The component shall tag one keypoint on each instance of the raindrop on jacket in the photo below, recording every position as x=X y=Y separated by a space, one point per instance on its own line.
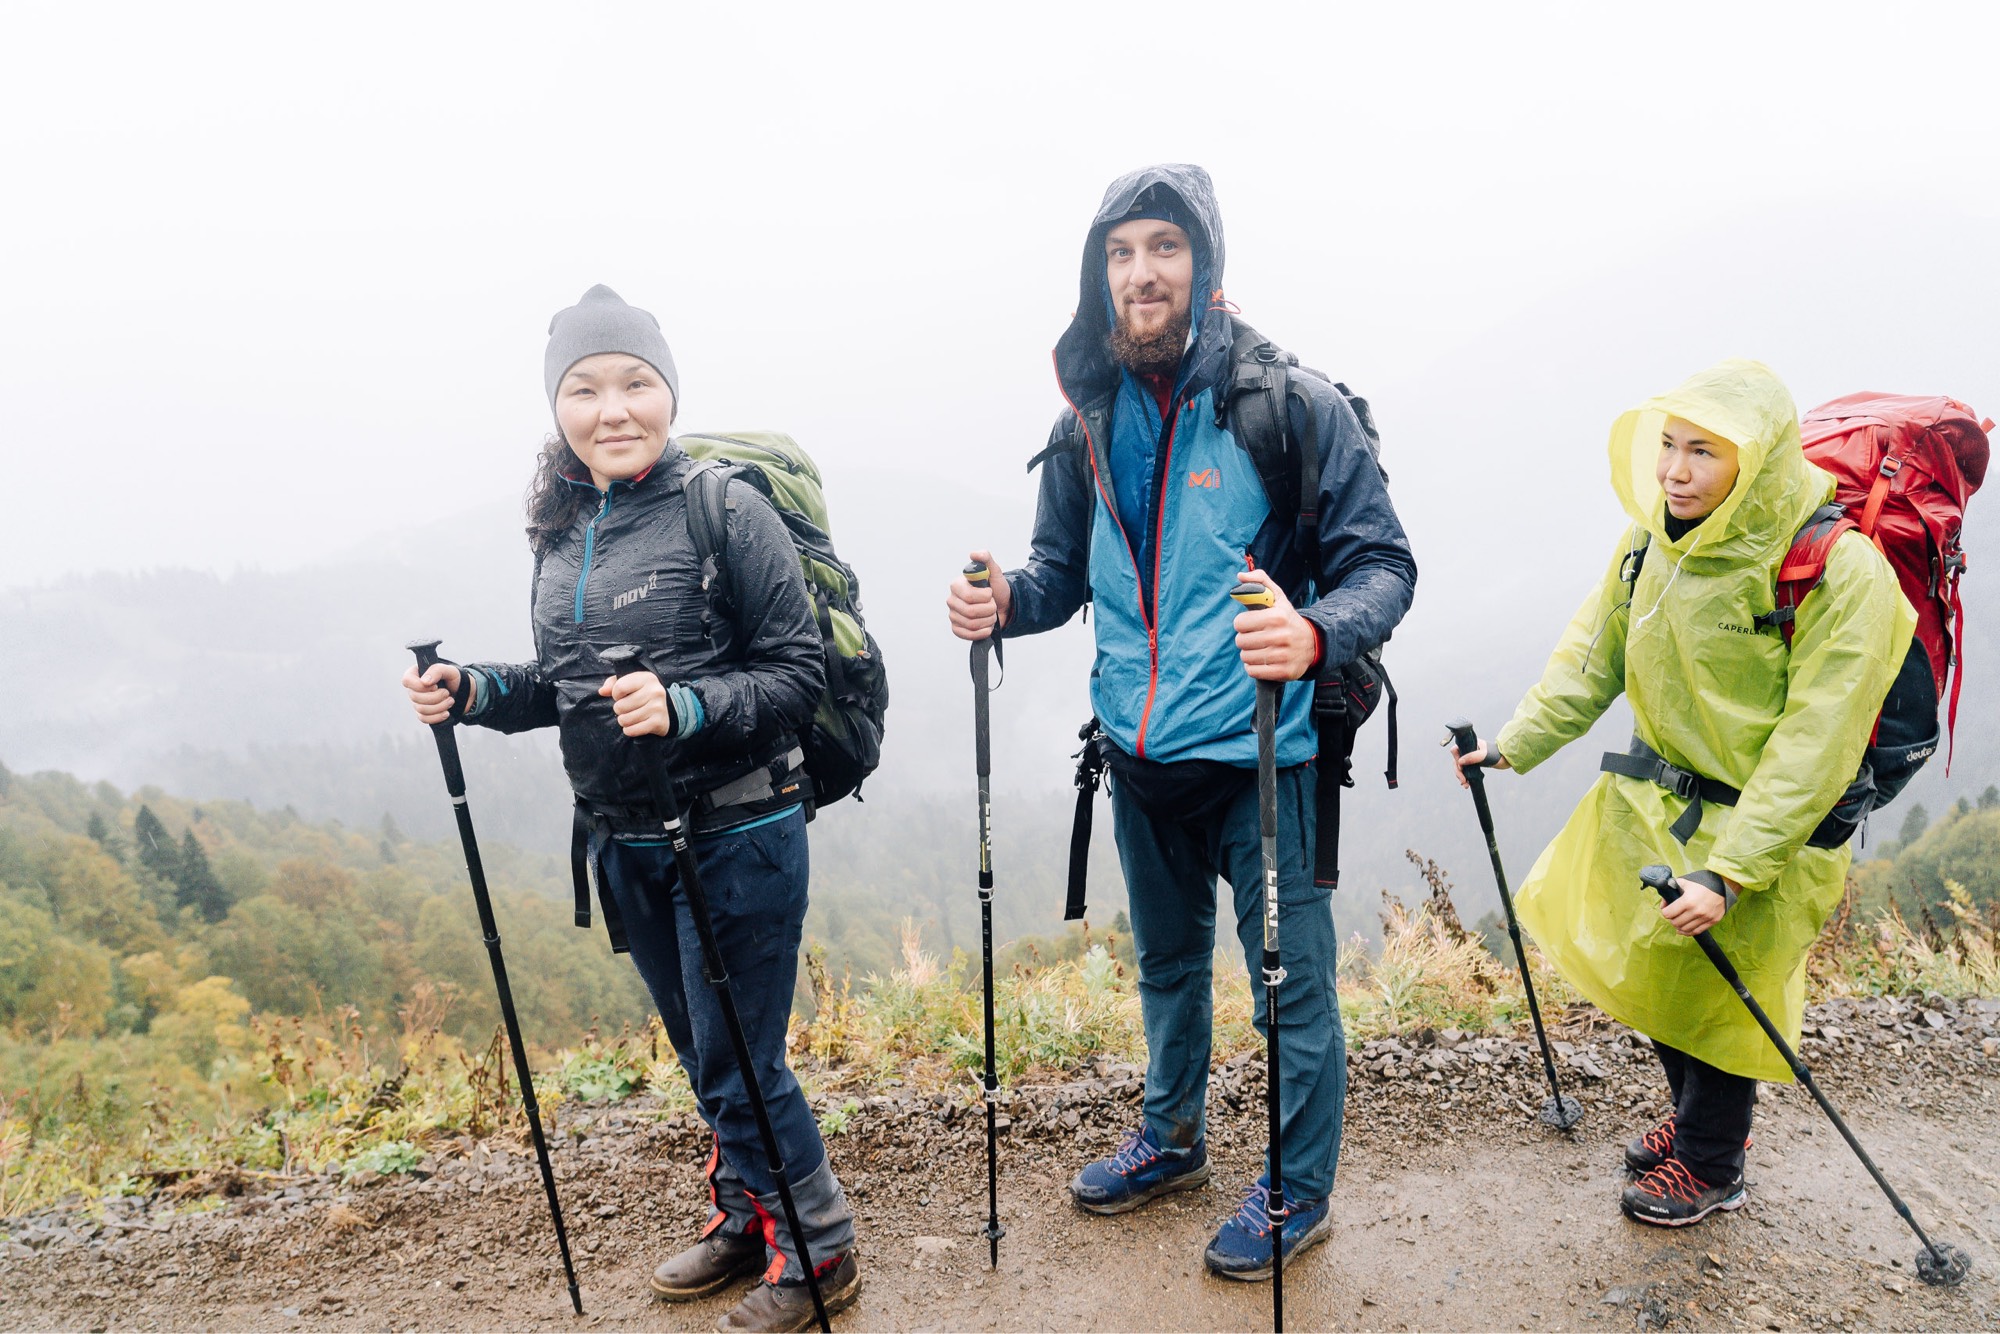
x=1713 y=694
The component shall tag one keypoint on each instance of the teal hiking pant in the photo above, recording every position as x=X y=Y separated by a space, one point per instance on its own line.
x=1171 y=868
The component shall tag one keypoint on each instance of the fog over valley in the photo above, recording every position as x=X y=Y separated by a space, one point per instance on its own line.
x=272 y=367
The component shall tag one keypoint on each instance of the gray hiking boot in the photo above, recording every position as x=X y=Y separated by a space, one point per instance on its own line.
x=710 y=1265
x=789 y=1306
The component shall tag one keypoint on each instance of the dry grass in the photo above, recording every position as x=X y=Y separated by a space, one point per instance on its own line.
x=333 y=1103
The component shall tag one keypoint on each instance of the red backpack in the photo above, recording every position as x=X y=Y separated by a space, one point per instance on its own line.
x=1904 y=468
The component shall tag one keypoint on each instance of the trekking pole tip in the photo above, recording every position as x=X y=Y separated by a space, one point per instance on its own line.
x=1943 y=1265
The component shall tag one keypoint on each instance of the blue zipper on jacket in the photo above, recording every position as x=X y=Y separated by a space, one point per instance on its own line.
x=590 y=545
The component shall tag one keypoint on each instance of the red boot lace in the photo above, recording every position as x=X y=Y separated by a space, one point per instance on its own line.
x=1659 y=1141
x=1671 y=1181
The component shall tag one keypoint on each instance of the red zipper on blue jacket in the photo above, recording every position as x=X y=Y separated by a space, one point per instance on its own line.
x=1149 y=616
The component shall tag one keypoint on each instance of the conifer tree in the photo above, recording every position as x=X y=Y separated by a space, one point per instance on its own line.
x=196 y=885
x=158 y=852
x=100 y=833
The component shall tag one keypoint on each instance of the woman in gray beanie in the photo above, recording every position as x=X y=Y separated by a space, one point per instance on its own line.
x=731 y=685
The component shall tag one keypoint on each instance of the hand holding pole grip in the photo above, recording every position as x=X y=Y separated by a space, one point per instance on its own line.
x=978 y=573
x=426 y=651
x=1466 y=737
x=1252 y=595
x=447 y=744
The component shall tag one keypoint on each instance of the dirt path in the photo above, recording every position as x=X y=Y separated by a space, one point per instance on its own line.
x=1453 y=1211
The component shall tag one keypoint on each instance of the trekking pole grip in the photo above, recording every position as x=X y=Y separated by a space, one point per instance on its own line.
x=1660 y=879
x=447 y=744
x=1252 y=595
x=623 y=660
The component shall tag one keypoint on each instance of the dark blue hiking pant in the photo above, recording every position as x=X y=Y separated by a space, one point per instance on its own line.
x=756 y=885
x=1170 y=878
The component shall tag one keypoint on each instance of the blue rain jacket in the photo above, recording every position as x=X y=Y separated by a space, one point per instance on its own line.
x=1168 y=684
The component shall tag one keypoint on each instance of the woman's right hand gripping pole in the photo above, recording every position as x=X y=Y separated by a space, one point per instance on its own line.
x=435 y=693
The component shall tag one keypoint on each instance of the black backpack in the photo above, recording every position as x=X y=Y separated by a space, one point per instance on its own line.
x=1254 y=406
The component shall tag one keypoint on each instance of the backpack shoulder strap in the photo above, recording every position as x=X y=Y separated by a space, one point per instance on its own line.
x=1253 y=407
x=1071 y=438
x=708 y=506
x=1635 y=561
x=1804 y=565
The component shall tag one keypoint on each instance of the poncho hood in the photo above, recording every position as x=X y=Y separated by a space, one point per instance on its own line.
x=1776 y=488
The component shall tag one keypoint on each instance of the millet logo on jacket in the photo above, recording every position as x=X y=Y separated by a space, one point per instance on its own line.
x=1209 y=479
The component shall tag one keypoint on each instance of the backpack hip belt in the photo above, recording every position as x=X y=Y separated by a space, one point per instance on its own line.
x=597 y=823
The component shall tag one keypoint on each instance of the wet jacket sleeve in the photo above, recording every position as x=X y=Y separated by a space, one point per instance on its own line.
x=511 y=697
x=1847 y=644
x=1585 y=673
x=1366 y=570
x=776 y=692
x=1055 y=582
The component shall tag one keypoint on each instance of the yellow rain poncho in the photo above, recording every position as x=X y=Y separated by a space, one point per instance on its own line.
x=1712 y=694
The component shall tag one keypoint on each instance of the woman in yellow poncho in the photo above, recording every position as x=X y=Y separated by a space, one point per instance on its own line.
x=1716 y=485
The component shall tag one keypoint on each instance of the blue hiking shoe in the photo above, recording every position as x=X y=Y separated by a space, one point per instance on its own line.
x=1140 y=1171
x=1242 y=1247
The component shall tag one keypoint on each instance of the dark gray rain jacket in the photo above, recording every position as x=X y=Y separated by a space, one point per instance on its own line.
x=628 y=573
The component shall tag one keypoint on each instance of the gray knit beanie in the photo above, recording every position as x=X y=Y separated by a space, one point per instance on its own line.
x=601 y=322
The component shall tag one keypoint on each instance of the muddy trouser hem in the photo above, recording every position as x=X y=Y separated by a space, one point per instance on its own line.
x=1171 y=869
x=756 y=885
x=1712 y=1114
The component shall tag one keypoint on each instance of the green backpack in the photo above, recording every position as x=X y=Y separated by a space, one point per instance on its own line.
x=843 y=744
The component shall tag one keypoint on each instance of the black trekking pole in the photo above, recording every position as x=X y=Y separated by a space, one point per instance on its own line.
x=1939 y=1264
x=454 y=783
x=623 y=660
x=977 y=573
x=1249 y=593
x=1557 y=1110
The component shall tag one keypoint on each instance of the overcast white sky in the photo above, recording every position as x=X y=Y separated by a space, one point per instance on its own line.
x=276 y=278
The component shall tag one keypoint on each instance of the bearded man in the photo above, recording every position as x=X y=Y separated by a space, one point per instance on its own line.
x=1151 y=509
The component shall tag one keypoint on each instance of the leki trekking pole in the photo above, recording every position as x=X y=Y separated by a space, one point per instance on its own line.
x=978 y=575
x=1558 y=1110
x=454 y=783
x=1251 y=594
x=622 y=661
x=1939 y=1264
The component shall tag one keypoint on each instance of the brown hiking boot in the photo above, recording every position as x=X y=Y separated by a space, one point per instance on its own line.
x=710 y=1265
x=789 y=1306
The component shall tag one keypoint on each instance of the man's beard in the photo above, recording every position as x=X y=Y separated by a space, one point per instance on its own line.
x=1154 y=353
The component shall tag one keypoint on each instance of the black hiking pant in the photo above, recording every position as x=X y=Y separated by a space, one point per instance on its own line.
x=1712 y=1110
